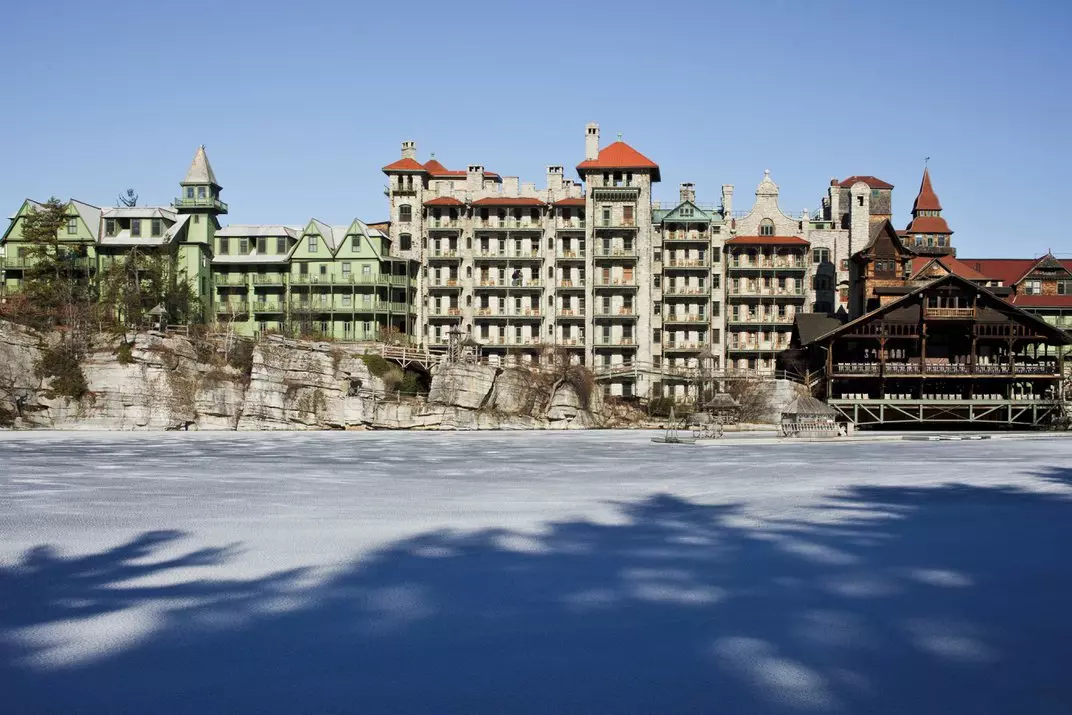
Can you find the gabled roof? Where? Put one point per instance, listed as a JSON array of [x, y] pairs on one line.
[[90, 214], [950, 264], [811, 325], [873, 182], [405, 164], [509, 201], [926, 200], [576, 201], [123, 239], [140, 212], [674, 213], [438, 171], [768, 241], [267, 230], [200, 171], [1011, 271], [885, 228], [928, 224], [808, 405], [1058, 335], [619, 155], [1043, 301], [444, 201]]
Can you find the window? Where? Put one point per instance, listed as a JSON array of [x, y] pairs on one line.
[[72, 226], [109, 227], [355, 244], [406, 242], [1064, 287], [281, 244], [716, 281], [243, 246], [202, 193], [820, 255], [135, 228], [323, 269], [405, 213], [627, 215], [314, 244], [346, 270], [845, 264], [766, 227], [225, 246], [606, 215], [346, 300], [1033, 287], [366, 269], [157, 228]]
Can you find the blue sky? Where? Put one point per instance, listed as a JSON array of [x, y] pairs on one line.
[[300, 104]]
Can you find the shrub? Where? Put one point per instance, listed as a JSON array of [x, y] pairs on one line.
[[380, 367], [413, 384], [124, 353], [241, 357], [60, 364]]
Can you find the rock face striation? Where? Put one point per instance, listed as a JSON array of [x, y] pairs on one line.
[[162, 382]]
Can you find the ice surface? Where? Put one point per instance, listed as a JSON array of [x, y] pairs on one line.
[[531, 573]]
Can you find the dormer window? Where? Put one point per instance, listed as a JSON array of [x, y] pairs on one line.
[[109, 227], [157, 228], [314, 244], [766, 227], [189, 192], [135, 228], [202, 192], [72, 226]]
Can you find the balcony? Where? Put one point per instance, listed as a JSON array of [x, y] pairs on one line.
[[685, 290], [616, 226], [681, 263], [768, 264], [571, 284], [267, 279], [444, 224], [570, 314], [267, 307], [682, 346], [199, 203], [685, 318], [507, 341], [948, 313], [616, 283], [682, 236], [624, 253], [913, 367], [761, 320], [519, 285], [447, 313], [507, 254], [571, 342], [509, 224], [570, 255], [758, 346], [765, 292], [622, 314], [443, 255], [230, 279], [452, 284], [629, 342], [573, 225], [232, 309]]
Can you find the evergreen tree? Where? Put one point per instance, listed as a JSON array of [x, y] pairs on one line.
[[56, 280]]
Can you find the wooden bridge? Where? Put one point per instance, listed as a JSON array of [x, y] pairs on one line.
[[636, 369]]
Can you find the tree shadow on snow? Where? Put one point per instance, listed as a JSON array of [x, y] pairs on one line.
[[893, 600]]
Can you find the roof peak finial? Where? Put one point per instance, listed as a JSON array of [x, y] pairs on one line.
[[619, 136], [766, 172], [926, 160]]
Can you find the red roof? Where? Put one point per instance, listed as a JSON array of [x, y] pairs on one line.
[[928, 224], [1007, 270], [444, 201], [927, 200], [620, 155], [769, 240], [436, 169], [570, 202], [406, 164], [1042, 301], [509, 201], [873, 182], [950, 264]]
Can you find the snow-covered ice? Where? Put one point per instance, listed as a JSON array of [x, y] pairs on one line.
[[589, 572]]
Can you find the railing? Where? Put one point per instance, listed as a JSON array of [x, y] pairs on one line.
[[685, 290], [569, 313], [267, 307], [758, 346], [615, 253], [510, 224], [682, 345], [687, 263], [947, 313], [451, 253], [229, 308], [618, 224], [494, 313], [445, 313], [915, 367], [351, 279], [616, 283], [489, 255], [766, 264], [570, 283], [616, 342], [444, 223], [684, 318], [686, 236], [768, 292], [268, 279], [761, 320], [445, 284], [575, 225], [225, 279], [205, 202], [622, 313], [568, 255]]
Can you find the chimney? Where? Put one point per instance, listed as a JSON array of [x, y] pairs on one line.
[[554, 178], [591, 141], [727, 199], [474, 178], [409, 150], [835, 203], [688, 192], [510, 185]]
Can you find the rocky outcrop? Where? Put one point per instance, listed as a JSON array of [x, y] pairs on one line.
[[170, 382]]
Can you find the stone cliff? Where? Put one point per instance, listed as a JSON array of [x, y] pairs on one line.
[[158, 382]]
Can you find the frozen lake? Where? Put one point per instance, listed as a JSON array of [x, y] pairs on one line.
[[517, 573]]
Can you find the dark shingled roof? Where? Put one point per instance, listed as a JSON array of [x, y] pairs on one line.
[[812, 325], [808, 405]]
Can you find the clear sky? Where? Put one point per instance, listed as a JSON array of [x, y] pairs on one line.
[[301, 103]]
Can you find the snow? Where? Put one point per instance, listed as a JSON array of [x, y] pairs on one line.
[[531, 573]]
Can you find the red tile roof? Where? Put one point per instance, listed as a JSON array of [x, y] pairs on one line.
[[444, 201], [619, 155], [950, 264], [406, 164], [1042, 301], [928, 224], [570, 202], [1007, 270], [769, 241], [437, 170], [873, 182], [927, 200], [509, 201]]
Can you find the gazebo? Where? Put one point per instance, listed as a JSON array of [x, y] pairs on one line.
[[807, 416]]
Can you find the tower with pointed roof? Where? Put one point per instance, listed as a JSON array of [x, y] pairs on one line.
[[928, 233], [199, 203]]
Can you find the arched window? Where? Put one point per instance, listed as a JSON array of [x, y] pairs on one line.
[[405, 213], [766, 227]]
